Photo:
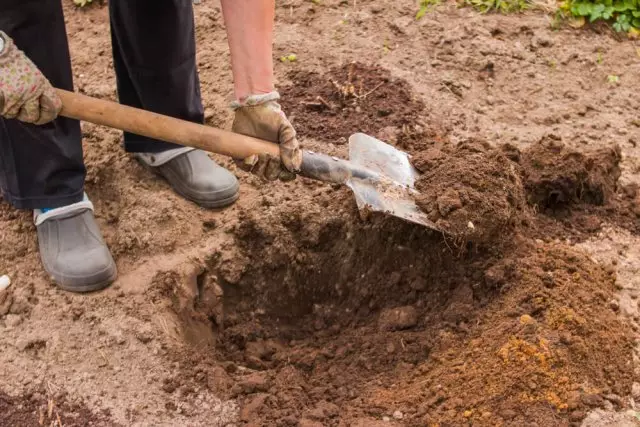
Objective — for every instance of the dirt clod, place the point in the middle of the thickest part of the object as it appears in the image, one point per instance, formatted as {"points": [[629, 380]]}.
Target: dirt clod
{"points": [[257, 381], [472, 191], [555, 176], [251, 408]]}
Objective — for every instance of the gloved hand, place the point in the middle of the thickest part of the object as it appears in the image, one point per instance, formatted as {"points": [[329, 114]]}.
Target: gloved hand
{"points": [[25, 93], [260, 116]]}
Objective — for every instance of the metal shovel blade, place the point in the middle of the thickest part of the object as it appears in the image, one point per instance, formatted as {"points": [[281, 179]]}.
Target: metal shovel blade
{"points": [[392, 191]]}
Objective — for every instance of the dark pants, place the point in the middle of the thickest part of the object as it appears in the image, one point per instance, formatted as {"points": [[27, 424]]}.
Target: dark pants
{"points": [[154, 58]]}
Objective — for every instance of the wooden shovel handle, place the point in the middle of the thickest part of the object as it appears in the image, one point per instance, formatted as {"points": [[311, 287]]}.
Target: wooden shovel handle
{"points": [[164, 128]]}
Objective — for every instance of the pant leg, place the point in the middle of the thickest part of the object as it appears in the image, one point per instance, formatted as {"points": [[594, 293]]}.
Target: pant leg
{"points": [[154, 55], [41, 166]]}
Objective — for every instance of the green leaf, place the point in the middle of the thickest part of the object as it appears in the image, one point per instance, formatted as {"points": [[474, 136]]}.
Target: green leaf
{"points": [[636, 22], [596, 12], [584, 9], [421, 12], [619, 6]]}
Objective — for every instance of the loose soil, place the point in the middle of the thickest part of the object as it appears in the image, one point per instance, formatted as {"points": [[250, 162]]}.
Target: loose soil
{"points": [[35, 410], [348, 99], [488, 338], [473, 192], [556, 176], [289, 309]]}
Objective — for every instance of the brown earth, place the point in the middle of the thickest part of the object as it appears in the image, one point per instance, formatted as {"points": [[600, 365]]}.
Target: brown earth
{"points": [[472, 191], [36, 410], [557, 176], [348, 99], [288, 308], [489, 338]]}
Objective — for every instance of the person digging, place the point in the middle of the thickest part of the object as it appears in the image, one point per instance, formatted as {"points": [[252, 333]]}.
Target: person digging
{"points": [[154, 56]]}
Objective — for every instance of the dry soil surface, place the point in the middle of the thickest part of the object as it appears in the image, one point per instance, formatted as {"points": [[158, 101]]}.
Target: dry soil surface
{"points": [[290, 309]]}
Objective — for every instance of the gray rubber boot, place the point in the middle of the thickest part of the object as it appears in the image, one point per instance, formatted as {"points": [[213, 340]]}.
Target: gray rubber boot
{"points": [[72, 249], [194, 176]]}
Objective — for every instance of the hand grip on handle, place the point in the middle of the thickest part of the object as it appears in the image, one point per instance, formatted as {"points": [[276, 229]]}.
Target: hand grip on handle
{"points": [[157, 126], [164, 128]]}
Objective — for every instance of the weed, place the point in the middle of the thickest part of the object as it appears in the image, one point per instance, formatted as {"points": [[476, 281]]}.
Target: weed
{"points": [[624, 14], [386, 47], [613, 79], [501, 6], [289, 58], [425, 6], [82, 3]]}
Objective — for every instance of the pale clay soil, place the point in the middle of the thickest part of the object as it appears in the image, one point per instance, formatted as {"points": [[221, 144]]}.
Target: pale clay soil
{"points": [[114, 350]]}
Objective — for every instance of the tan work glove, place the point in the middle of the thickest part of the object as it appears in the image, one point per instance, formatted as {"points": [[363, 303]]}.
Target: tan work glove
{"points": [[25, 93], [260, 116]]}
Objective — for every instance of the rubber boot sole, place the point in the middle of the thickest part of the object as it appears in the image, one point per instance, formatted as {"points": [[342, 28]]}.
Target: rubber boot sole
{"points": [[208, 204], [93, 287]]}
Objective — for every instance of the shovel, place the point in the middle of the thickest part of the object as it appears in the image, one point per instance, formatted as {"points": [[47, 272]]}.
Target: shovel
{"points": [[380, 176]]}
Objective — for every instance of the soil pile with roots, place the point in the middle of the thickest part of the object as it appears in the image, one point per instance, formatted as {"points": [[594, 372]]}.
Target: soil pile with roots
{"points": [[351, 98]]}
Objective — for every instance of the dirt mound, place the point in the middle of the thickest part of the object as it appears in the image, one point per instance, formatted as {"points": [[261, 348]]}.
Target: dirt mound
{"points": [[579, 192], [348, 99], [556, 176], [402, 325], [537, 347], [472, 191]]}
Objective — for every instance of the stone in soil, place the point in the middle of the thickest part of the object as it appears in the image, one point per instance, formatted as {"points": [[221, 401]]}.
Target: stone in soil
{"points": [[395, 319]]}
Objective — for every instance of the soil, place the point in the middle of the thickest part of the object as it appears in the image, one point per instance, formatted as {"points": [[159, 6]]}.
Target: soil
{"points": [[489, 338], [350, 98], [556, 176], [290, 309], [472, 192], [36, 410]]}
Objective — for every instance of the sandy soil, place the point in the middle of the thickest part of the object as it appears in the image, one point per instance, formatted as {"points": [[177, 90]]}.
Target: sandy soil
{"points": [[289, 309]]}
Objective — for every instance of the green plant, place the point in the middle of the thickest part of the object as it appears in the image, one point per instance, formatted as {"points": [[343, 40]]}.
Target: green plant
{"points": [[502, 6], [624, 14], [81, 3], [385, 46], [289, 58], [425, 5]]}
